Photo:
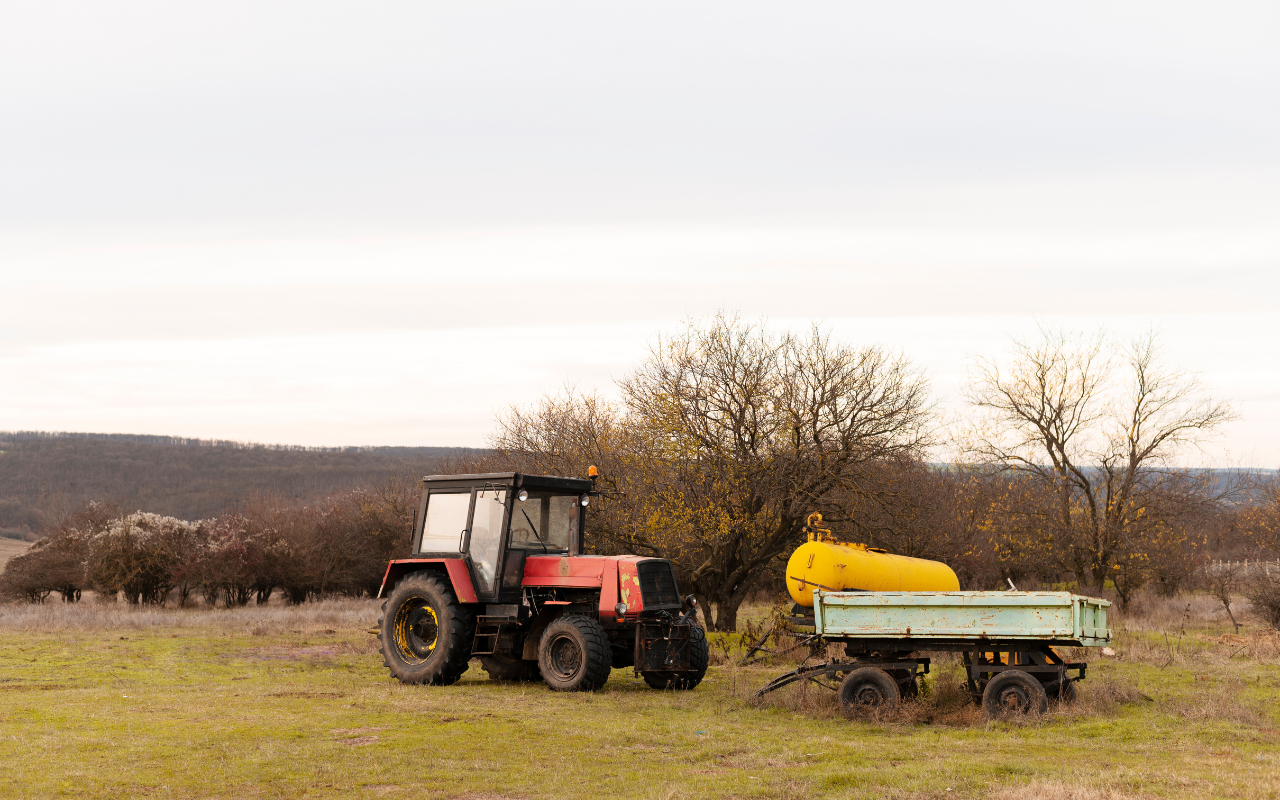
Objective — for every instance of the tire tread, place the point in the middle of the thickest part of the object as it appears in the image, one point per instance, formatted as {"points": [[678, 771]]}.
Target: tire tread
{"points": [[462, 627]]}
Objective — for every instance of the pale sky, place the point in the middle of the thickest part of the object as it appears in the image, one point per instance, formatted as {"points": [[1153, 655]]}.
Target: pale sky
{"points": [[339, 224]]}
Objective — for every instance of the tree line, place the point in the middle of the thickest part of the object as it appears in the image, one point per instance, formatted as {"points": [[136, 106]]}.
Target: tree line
{"points": [[266, 547], [45, 476], [728, 434]]}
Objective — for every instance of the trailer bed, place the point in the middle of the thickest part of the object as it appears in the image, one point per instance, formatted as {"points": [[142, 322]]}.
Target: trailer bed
{"points": [[962, 620]]}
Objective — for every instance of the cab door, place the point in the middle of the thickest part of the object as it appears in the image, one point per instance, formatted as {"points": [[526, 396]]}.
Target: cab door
{"points": [[487, 539]]}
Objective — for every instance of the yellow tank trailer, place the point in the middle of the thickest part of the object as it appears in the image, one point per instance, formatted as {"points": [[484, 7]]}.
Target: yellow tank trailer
{"points": [[834, 566]]}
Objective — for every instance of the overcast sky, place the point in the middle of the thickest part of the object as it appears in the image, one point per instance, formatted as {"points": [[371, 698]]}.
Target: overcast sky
{"points": [[334, 223]]}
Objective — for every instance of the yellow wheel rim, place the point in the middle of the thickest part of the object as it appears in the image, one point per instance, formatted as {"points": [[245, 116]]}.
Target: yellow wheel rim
{"points": [[416, 630]]}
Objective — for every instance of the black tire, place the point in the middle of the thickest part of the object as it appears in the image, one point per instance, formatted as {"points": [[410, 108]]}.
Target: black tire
{"points": [[909, 688], [1014, 693], [425, 634], [868, 691], [574, 654], [699, 658], [623, 656], [1066, 694], [508, 668]]}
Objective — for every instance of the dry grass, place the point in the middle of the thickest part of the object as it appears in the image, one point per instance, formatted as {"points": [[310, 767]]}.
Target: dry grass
{"points": [[1055, 790], [1223, 700], [1149, 611], [945, 701], [91, 614], [282, 701]]}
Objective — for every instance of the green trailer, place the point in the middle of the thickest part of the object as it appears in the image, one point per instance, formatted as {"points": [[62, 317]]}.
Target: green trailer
{"points": [[1007, 640]]}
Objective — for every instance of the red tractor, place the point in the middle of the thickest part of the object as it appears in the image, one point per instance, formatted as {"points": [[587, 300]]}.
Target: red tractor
{"points": [[496, 573]]}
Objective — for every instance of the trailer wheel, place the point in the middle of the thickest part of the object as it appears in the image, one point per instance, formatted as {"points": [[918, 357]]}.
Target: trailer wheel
{"points": [[425, 633], [574, 654], [866, 691], [699, 658], [1013, 693], [1064, 694]]}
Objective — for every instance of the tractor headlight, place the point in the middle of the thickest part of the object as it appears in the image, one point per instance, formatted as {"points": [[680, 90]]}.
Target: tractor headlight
{"points": [[584, 501], [620, 609], [522, 495]]}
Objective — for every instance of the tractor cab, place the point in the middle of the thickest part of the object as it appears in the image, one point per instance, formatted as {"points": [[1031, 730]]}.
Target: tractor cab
{"points": [[493, 522]]}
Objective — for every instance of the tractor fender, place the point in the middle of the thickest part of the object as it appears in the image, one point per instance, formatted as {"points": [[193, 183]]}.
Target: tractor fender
{"points": [[455, 569]]}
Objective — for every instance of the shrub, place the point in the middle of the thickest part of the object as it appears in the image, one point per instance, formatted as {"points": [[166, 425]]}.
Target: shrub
{"points": [[55, 563], [1263, 591], [139, 555]]}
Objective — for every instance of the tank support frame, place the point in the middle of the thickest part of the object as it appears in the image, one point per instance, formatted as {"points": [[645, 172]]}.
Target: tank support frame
{"points": [[905, 671]]}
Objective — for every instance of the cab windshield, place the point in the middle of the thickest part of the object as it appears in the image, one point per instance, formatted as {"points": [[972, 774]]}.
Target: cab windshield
{"points": [[545, 522]]}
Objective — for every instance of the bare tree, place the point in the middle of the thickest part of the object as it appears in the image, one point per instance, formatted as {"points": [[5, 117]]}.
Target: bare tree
{"points": [[1222, 581], [1098, 433], [727, 437]]}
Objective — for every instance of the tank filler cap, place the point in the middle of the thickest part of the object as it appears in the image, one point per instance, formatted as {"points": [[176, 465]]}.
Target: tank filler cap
{"points": [[817, 531]]}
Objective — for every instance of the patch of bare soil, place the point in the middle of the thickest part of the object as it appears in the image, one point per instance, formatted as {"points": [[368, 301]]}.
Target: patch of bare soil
{"points": [[354, 731], [360, 740], [292, 653]]}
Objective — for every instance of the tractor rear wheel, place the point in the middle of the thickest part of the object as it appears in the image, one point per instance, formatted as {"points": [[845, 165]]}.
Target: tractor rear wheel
{"points": [[425, 633], [1014, 693], [574, 654], [868, 691], [699, 657]]}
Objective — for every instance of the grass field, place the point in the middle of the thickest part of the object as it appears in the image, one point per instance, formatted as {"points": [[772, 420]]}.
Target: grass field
{"points": [[102, 701]]}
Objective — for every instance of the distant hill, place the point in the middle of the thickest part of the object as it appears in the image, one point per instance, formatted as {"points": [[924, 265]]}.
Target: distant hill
{"points": [[186, 478]]}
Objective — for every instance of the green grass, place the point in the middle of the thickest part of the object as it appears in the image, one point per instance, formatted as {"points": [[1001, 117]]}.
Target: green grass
{"points": [[211, 710]]}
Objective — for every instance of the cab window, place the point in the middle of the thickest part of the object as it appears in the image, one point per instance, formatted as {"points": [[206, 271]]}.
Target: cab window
{"points": [[545, 522], [445, 522]]}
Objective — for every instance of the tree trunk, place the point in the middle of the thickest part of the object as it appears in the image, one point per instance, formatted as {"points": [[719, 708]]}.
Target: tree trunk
{"points": [[727, 611]]}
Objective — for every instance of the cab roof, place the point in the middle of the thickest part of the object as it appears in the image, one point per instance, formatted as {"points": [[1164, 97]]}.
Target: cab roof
{"points": [[516, 480]]}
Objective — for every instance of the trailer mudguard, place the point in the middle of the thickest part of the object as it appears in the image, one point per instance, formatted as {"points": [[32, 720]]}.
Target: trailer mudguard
{"points": [[454, 568]]}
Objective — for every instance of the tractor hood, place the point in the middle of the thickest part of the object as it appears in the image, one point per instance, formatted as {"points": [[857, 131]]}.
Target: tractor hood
{"points": [[642, 584]]}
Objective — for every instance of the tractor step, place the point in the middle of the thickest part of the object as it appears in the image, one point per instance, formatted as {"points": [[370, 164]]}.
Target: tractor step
{"points": [[490, 635]]}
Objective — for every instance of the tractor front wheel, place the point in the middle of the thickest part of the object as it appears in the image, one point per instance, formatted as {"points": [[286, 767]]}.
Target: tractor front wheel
{"points": [[699, 657], [574, 654], [425, 633]]}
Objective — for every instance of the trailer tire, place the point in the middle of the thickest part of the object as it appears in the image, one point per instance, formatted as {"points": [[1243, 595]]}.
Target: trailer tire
{"points": [[1014, 693], [574, 654], [425, 634], [868, 691], [1064, 694], [699, 658]]}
